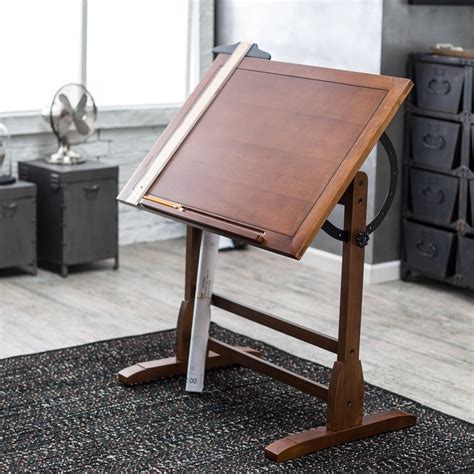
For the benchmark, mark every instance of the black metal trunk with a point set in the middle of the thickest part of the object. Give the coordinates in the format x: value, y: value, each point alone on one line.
x: 18, y: 226
x: 77, y: 212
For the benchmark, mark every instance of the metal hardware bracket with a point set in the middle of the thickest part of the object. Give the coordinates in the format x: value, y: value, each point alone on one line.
x: 362, y: 238
x: 254, y: 51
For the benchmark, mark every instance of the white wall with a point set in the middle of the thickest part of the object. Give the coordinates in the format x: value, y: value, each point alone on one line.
x: 342, y: 34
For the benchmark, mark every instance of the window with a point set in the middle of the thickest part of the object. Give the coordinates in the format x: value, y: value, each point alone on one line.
x: 40, y: 51
x: 137, y: 51
x: 127, y: 52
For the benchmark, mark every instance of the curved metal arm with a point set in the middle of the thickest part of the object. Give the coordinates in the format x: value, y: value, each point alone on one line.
x: 340, y: 234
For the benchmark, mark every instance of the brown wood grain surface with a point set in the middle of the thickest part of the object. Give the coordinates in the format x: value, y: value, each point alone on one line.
x: 275, y: 150
x: 307, y: 442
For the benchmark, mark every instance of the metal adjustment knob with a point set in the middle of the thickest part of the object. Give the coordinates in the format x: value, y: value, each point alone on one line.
x: 362, y: 239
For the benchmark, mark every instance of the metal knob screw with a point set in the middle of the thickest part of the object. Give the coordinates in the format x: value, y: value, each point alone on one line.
x: 362, y: 239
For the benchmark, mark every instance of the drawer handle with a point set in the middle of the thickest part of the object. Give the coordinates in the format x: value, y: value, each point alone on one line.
x: 439, y: 87
x: 9, y: 209
x: 426, y: 249
x: 434, y: 142
x: 434, y: 195
x: 91, y: 191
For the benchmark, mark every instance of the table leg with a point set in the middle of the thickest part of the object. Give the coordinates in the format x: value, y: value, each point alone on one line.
x: 177, y: 365
x: 345, y: 421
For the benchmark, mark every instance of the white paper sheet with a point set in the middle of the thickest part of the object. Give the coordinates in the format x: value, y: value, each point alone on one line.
x: 202, y: 312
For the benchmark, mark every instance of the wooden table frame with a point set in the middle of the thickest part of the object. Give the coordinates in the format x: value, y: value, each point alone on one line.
x: 345, y: 420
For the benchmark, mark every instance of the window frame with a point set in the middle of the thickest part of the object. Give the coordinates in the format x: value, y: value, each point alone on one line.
x: 201, y: 42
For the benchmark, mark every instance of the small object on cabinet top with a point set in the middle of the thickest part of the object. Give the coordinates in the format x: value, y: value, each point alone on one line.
x: 447, y: 49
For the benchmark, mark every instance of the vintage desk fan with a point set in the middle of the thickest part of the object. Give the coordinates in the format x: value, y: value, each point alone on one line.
x: 262, y: 151
x: 72, y: 116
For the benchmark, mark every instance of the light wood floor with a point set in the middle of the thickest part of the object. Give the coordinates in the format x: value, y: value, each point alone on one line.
x: 417, y: 339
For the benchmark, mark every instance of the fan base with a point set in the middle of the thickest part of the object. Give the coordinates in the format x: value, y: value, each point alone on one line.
x: 8, y: 179
x: 65, y: 156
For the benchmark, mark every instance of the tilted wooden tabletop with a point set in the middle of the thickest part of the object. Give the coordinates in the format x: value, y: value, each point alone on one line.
x: 273, y: 153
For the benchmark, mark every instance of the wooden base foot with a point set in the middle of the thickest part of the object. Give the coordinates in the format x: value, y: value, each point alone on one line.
x: 308, y: 442
x: 157, y: 369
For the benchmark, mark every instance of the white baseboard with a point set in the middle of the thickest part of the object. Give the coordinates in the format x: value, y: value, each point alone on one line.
x: 331, y: 263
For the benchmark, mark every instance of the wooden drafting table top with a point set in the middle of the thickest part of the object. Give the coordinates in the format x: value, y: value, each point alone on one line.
x: 274, y: 152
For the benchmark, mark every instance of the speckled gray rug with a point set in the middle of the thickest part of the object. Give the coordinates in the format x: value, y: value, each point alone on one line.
x: 64, y: 411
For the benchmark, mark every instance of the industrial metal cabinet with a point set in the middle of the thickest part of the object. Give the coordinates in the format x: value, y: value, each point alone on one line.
x: 18, y: 226
x: 438, y: 209
x: 77, y: 212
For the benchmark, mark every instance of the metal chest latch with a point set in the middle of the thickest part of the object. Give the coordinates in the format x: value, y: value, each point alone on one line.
x: 9, y: 209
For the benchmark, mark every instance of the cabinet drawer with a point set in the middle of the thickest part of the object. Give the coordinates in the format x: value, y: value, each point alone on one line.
x: 439, y: 87
x: 428, y: 250
x: 465, y: 265
x: 90, y: 221
x: 17, y: 232
x: 433, y: 196
x: 435, y: 142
